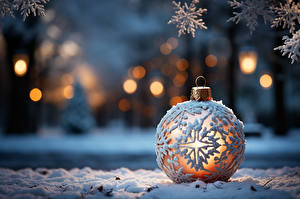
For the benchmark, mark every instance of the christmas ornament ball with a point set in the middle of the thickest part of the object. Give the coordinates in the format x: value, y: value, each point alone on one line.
x: 200, y: 139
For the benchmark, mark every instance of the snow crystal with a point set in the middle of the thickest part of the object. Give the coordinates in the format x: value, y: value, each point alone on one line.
x: 250, y: 10
x: 125, y: 183
x: 287, y: 15
x: 188, y: 17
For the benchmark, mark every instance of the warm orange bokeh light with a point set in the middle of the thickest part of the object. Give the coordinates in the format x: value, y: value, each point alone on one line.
x: 138, y: 72
x: 68, y: 92
x: 211, y: 60
x: 248, y: 61
x: 182, y: 64
x: 165, y: 48
x: 156, y: 88
x: 35, y: 94
x: 177, y: 99
x: 266, y: 81
x: 180, y: 79
x: 129, y: 86
x: 124, y: 105
x: 20, y: 67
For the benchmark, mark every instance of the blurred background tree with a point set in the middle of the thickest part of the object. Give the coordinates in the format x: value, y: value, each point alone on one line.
x: 133, y: 67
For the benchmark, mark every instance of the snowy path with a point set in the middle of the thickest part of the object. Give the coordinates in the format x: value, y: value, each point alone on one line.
x: 112, y: 148
x: 124, y: 183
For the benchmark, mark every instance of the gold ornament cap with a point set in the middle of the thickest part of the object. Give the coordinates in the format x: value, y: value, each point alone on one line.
x: 201, y: 93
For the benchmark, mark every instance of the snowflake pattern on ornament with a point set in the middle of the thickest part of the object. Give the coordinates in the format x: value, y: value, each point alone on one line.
x: 199, y: 132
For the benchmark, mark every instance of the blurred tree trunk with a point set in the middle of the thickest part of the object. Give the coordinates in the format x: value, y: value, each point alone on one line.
x: 18, y: 42
x: 232, y: 62
x: 280, y: 125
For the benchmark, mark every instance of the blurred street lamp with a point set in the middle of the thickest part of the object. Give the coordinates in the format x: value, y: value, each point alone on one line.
x: 20, y: 67
x: 266, y: 81
x: 35, y: 94
x: 157, y: 88
x: 248, y: 61
x: 129, y: 86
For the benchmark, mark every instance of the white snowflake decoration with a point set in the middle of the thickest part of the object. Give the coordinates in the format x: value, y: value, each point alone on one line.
x: 199, y: 140
x: 291, y: 46
x: 188, y: 18
x: 250, y: 10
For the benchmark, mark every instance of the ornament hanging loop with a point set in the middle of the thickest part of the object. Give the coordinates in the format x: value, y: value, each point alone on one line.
x: 201, y: 93
x: 200, y: 77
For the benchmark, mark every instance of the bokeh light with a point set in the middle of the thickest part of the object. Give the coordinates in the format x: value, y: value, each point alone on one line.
x: 68, y: 92
x: 124, y: 105
x: 68, y: 49
x: 248, y: 61
x: 173, y: 42
x: 138, y: 72
x: 20, y: 67
x: 129, y: 86
x: 35, y: 94
x: 211, y: 60
x: 54, y: 32
x: 182, y: 64
x: 180, y: 79
x: 177, y: 99
x: 165, y: 48
x: 266, y: 81
x: 156, y: 88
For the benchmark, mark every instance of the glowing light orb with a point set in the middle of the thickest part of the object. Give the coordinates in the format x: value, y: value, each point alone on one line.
x: 129, y: 86
x: 211, y: 61
x: 266, y: 81
x: 20, y: 67
x: 68, y: 92
x: 248, y: 62
x: 35, y: 94
x: 138, y: 72
x: 156, y: 88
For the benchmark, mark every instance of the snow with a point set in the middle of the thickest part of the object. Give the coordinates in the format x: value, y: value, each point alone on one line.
x: 188, y: 18
x: 125, y: 183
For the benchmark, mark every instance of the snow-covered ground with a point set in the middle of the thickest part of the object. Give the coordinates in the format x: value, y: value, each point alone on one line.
x: 125, y: 183
x: 116, y: 147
